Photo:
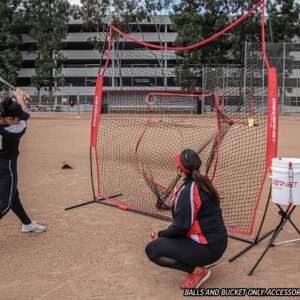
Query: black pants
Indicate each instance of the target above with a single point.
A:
(183, 253)
(9, 194)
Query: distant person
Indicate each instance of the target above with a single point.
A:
(197, 237)
(72, 103)
(12, 128)
(58, 108)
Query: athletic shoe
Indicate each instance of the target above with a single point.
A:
(33, 227)
(195, 279)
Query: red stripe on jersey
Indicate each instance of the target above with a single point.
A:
(196, 200)
(195, 228)
(177, 196)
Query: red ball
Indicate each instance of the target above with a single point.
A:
(153, 235)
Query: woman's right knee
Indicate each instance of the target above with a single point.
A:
(151, 250)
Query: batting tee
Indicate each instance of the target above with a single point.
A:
(139, 122)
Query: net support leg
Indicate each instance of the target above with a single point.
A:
(295, 227)
(284, 219)
(257, 239)
(254, 243)
(92, 201)
(240, 239)
(281, 212)
(91, 173)
(125, 207)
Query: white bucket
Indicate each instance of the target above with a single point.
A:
(286, 180)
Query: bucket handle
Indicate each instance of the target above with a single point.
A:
(279, 178)
(270, 171)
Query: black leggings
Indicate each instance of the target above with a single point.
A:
(183, 253)
(9, 194)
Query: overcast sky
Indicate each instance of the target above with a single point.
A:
(78, 1)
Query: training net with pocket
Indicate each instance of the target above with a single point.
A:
(150, 105)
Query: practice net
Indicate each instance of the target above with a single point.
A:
(150, 105)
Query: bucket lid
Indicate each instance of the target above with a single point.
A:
(285, 161)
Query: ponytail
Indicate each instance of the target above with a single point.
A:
(191, 162)
(206, 185)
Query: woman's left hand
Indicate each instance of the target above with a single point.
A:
(21, 96)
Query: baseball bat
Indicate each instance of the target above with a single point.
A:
(7, 83)
(10, 85)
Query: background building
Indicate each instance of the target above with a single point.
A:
(82, 65)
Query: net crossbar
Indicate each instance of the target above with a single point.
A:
(147, 111)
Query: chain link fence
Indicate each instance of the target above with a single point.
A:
(285, 57)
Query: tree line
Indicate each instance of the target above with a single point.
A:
(45, 22)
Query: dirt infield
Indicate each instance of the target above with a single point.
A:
(97, 252)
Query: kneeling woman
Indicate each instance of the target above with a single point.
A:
(197, 237)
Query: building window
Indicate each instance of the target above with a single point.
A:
(143, 81)
(293, 101)
(171, 81)
(74, 81)
(78, 46)
(23, 81)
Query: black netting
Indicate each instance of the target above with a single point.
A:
(242, 154)
(137, 143)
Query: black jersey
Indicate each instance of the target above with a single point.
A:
(10, 138)
(194, 211)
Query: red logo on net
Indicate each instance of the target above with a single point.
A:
(280, 183)
(95, 112)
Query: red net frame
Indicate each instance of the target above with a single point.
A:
(269, 125)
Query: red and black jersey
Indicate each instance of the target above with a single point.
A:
(194, 211)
